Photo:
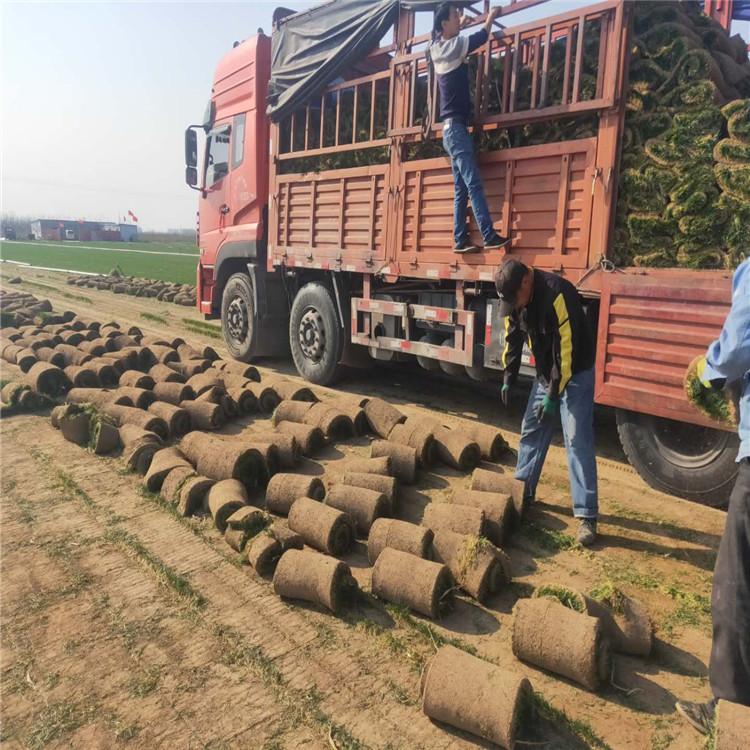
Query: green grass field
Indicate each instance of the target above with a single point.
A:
(147, 259)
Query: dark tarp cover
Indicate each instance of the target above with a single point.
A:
(310, 49)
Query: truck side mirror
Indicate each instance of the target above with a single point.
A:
(191, 176)
(191, 148)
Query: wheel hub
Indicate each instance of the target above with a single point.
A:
(237, 319)
(312, 335)
(689, 446)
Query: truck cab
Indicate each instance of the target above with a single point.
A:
(232, 283)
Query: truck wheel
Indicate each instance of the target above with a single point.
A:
(238, 317)
(315, 335)
(686, 460)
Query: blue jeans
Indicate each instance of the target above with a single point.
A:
(467, 183)
(577, 416)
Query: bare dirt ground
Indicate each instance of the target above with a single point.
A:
(123, 624)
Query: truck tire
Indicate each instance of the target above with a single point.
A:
(238, 317)
(689, 461)
(315, 334)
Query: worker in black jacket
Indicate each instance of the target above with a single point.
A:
(547, 311)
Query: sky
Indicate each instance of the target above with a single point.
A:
(96, 97)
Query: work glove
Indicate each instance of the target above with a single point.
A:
(717, 384)
(508, 383)
(546, 409)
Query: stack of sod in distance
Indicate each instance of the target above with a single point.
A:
(469, 693)
(180, 294)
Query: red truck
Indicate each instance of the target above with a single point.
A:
(306, 245)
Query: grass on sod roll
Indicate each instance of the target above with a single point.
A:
(149, 260)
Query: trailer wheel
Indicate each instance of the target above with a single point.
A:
(315, 335)
(238, 317)
(690, 461)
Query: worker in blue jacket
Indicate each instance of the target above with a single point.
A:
(727, 362)
(546, 310)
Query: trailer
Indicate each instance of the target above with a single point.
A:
(327, 230)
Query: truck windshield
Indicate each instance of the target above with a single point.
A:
(217, 155)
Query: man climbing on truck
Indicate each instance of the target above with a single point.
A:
(547, 310)
(449, 52)
(727, 362)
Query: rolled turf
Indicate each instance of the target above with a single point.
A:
(480, 568)
(140, 397)
(309, 438)
(136, 379)
(173, 393)
(97, 396)
(164, 461)
(225, 498)
(499, 511)
(291, 411)
(80, 377)
(105, 437)
(626, 622)
(418, 436)
(400, 535)
(324, 528)
(165, 374)
(403, 459)
(204, 415)
(177, 419)
(469, 693)
(363, 505)
(381, 466)
(193, 495)
(422, 585)
(106, 372)
(382, 484)
(264, 553)
(312, 577)
(130, 415)
(490, 440)
(382, 416)
(462, 519)
(286, 445)
(492, 481)
(453, 447)
(174, 482)
(219, 459)
(561, 640)
(287, 538)
(334, 424)
(283, 489)
(47, 379)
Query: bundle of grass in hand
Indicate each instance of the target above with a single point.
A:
(716, 405)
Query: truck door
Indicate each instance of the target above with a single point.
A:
(214, 209)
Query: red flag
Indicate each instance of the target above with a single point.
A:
(133, 216)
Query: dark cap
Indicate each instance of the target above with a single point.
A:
(508, 278)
